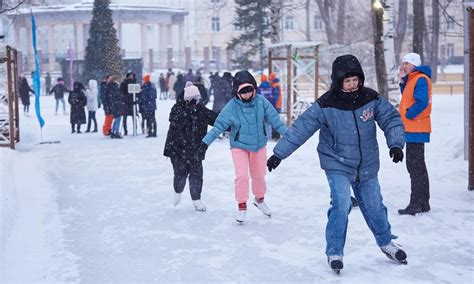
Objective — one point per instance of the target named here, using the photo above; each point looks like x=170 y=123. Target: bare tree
x=275 y=17
x=433 y=42
x=327 y=9
x=379 y=57
x=401 y=27
x=418 y=26
x=308 y=26
x=341 y=21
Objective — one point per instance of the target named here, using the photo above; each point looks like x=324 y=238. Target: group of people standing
x=346 y=116
x=118 y=104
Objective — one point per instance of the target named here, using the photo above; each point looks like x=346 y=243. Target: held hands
x=397 y=154
x=273 y=163
x=202 y=149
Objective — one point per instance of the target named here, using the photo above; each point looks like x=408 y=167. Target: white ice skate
x=199 y=205
x=395 y=252
x=263 y=207
x=241 y=217
x=176 y=198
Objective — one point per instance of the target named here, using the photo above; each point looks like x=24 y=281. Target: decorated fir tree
x=253 y=19
x=102 y=52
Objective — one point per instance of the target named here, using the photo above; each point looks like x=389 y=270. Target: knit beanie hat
x=146 y=78
x=191 y=92
x=412 y=58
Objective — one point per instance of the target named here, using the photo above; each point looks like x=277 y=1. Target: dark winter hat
x=346 y=66
x=243 y=78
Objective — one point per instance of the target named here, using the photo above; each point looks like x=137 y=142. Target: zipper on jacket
x=360 y=149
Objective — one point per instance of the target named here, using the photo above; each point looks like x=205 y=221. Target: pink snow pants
x=246 y=162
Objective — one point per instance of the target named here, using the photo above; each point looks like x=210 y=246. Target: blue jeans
x=116 y=125
x=370 y=202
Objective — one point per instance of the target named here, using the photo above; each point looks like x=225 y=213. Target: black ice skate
x=335 y=262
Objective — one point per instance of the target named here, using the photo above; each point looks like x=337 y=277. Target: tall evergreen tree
x=253 y=18
x=102 y=51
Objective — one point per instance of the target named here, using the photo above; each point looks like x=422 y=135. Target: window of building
x=289 y=23
x=450 y=50
x=215 y=24
x=318 y=23
x=449 y=23
x=215 y=52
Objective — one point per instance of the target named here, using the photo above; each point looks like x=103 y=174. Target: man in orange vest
x=415 y=110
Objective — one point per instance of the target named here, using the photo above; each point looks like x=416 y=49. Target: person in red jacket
x=415 y=110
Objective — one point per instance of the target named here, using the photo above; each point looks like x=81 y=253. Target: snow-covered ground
x=96 y=210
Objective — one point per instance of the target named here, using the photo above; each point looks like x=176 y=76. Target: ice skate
x=260 y=204
x=241 y=217
x=395 y=252
x=199 y=205
x=335 y=262
x=176 y=198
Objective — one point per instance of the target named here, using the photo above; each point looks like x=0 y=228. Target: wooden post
x=16 y=93
x=11 y=120
x=316 y=72
x=471 y=99
x=270 y=61
x=288 y=85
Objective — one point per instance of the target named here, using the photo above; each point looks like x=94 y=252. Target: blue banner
x=36 y=74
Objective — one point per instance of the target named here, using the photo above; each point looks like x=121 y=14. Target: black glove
x=202 y=149
x=273 y=163
x=397 y=154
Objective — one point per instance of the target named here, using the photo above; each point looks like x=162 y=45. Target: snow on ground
x=96 y=210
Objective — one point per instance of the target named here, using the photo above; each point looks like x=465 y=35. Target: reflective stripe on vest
x=422 y=122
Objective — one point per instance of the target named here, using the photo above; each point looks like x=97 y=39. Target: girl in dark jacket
x=25 y=91
x=78 y=100
x=189 y=119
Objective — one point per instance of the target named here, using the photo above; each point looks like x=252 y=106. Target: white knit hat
x=412 y=58
x=192 y=92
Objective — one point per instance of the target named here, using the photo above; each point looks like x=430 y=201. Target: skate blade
x=240 y=222
x=337 y=271
x=200 y=210
x=255 y=204
x=405 y=262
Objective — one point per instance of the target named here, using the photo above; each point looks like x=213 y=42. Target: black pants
x=91 y=117
x=182 y=169
x=150 y=122
x=420 y=185
x=78 y=127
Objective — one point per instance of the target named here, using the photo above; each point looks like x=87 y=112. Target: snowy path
x=106 y=214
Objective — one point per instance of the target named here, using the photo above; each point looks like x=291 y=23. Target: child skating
x=246 y=114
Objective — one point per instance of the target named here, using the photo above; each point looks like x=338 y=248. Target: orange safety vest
x=421 y=123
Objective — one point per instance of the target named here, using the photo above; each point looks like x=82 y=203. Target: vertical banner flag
x=36 y=74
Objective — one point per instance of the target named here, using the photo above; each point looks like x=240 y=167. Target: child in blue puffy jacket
x=346 y=117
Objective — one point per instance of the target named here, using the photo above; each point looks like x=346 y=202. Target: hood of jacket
x=425 y=69
x=240 y=78
x=345 y=66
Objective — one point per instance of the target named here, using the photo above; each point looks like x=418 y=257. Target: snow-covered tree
x=253 y=19
x=102 y=52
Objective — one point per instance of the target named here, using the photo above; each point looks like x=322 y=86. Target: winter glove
x=273 y=163
x=397 y=154
x=202 y=149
